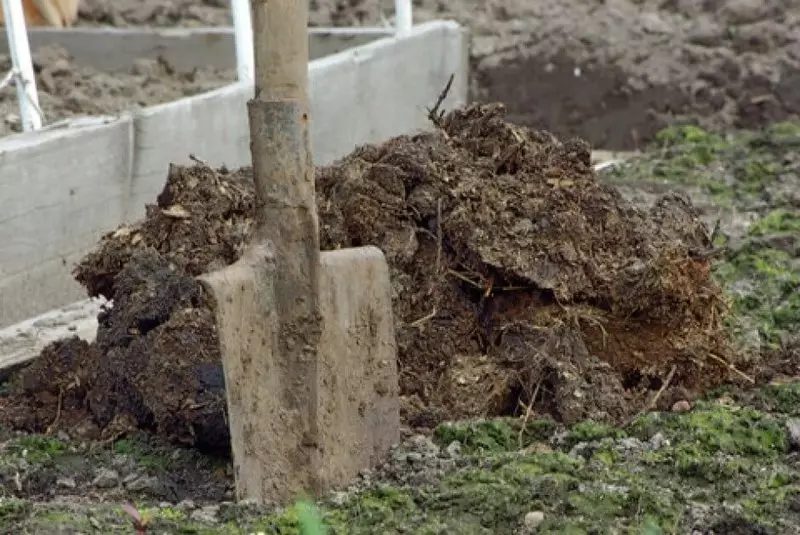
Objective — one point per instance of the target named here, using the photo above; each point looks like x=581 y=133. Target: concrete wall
x=60 y=190
x=183 y=48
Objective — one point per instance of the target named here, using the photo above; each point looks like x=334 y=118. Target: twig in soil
x=528 y=411
x=434 y=115
x=710 y=253
x=488 y=287
x=423 y=319
x=654 y=399
x=438 y=235
x=732 y=368
x=464 y=278
x=714 y=232
x=58 y=412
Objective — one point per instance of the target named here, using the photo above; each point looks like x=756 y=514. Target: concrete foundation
x=61 y=189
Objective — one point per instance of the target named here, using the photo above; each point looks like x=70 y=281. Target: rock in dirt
x=106 y=478
x=519 y=280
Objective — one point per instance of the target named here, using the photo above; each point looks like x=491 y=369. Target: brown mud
x=521 y=285
x=614 y=72
x=67 y=90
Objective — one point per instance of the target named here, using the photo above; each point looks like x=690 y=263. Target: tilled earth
x=613 y=72
x=66 y=90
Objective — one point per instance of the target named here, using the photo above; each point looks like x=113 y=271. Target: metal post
x=22 y=67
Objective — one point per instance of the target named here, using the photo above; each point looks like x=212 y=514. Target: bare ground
x=613 y=73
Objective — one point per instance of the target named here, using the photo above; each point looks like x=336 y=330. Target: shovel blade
x=355 y=406
x=359 y=415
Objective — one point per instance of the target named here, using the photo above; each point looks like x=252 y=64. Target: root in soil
x=521 y=284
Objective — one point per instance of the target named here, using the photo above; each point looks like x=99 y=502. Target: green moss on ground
x=725 y=463
x=721 y=463
x=734 y=168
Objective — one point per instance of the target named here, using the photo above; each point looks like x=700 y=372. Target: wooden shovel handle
x=280 y=38
x=287 y=224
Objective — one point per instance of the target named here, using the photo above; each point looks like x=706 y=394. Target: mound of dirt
x=520 y=283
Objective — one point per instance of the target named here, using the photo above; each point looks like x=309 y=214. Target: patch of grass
x=731 y=168
x=713 y=428
x=731 y=459
x=762 y=284
x=14 y=510
x=37 y=449
x=776 y=222
x=590 y=431
x=493 y=436
x=146 y=454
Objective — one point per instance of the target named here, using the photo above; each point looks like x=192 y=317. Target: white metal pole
x=243 y=38
x=402 y=15
x=22 y=66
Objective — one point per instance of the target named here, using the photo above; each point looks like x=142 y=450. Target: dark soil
x=521 y=284
x=66 y=90
x=612 y=72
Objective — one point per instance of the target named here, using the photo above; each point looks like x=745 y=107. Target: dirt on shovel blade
x=521 y=284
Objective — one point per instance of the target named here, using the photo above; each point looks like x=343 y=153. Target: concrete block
x=359 y=418
x=60 y=190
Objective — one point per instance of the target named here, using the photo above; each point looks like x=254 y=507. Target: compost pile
x=521 y=284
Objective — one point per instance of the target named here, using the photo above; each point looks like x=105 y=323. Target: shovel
x=307 y=339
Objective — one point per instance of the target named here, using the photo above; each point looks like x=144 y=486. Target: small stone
x=398 y=456
x=453 y=449
x=130 y=477
x=208 y=514
x=793 y=429
x=657 y=441
x=745 y=11
x=106 y=478
x=425 y=446
x=681 y=406
x=339 y=498
x=631 y=444
x=186 y=505
x=652 y=23
x=66 y=482
x=414 y=457
x=533 y=520
x=144 y=483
